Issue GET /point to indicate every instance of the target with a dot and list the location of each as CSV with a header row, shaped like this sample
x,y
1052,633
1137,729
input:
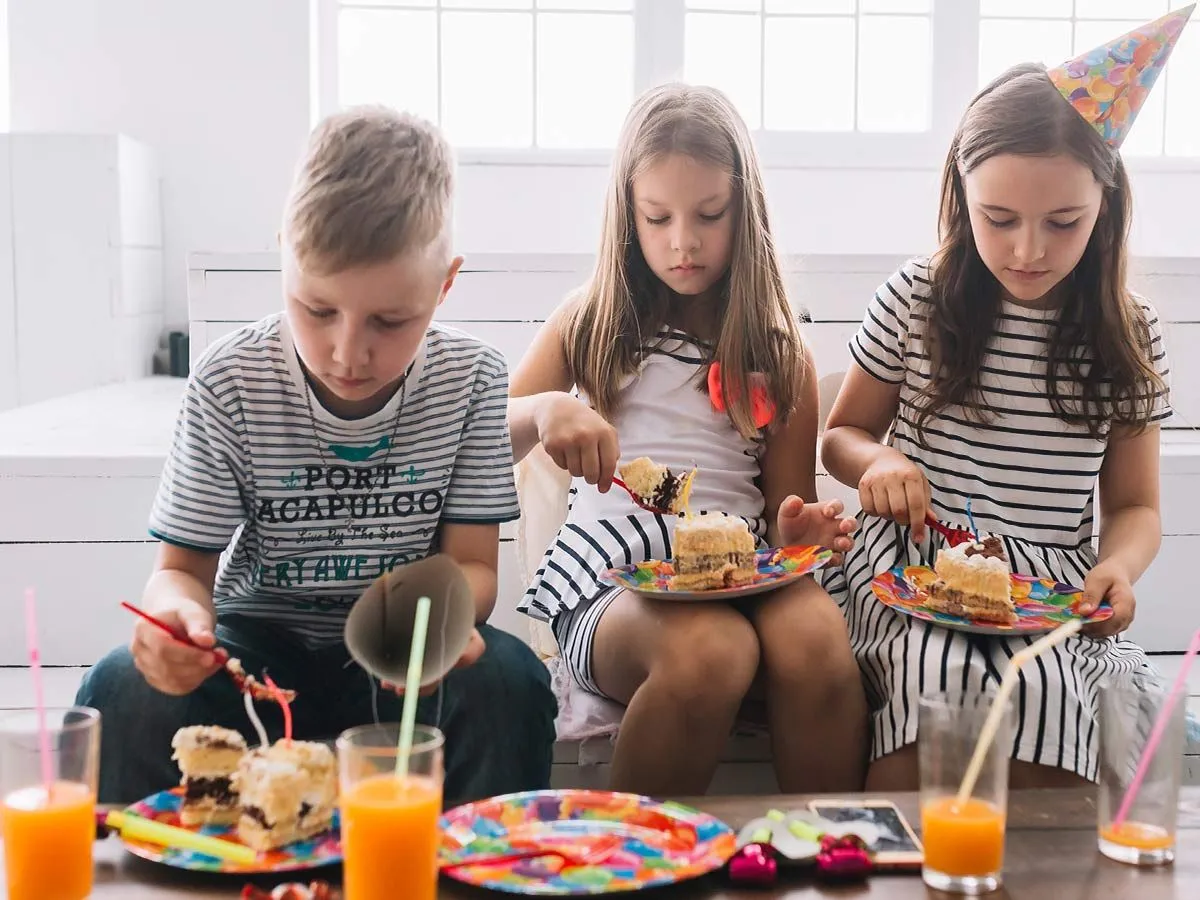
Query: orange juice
x,y
1138,836
963,841
390,838
48,842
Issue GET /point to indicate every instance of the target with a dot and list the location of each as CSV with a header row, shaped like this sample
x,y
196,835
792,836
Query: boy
x,y
331,443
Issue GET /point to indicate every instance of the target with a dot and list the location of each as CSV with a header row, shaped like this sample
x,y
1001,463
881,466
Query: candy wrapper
x,y
315,890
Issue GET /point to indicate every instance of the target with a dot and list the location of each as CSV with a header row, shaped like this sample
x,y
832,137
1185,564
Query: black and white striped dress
x,y
1031,478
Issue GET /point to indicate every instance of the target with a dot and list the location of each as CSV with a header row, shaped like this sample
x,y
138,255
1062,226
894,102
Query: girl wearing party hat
x,y
1015,370
686,303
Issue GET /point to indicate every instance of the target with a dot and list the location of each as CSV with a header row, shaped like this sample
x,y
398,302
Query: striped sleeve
x,y
482,487
199,502
1160,409
879,345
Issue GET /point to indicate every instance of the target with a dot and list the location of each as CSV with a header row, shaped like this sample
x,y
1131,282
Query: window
x,y
822,82
1052,31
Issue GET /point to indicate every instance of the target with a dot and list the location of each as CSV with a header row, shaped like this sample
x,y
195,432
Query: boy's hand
x,y
815,523
894,488
579,440
168,665
475,648
1108,581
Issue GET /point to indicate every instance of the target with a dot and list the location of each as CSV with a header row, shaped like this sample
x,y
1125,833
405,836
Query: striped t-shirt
x,y
1028,474
309,508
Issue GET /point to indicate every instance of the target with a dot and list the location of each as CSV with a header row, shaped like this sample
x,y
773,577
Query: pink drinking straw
x,y
1160,726
39,695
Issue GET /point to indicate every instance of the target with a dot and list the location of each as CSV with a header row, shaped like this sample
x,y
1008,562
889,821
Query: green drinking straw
x,y
412,687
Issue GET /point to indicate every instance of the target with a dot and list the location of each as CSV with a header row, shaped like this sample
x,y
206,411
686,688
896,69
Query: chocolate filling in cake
x,y
989,547
253,812
216,789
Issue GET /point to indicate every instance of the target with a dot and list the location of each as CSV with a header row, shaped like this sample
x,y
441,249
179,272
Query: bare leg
x,y
816,709
899,771
682,669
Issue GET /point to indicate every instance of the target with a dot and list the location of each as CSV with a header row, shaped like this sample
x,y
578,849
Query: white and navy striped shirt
x,y
316,506
1028,474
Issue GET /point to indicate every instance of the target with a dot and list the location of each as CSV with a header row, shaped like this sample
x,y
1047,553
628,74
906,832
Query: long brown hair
x,y
1099,366
624,303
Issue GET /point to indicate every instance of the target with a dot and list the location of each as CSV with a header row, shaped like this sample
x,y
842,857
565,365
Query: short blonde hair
x,y
373,184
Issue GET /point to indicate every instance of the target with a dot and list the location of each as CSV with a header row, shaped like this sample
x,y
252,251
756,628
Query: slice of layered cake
x,y
655,485
208,756
974,580
288,793
712,550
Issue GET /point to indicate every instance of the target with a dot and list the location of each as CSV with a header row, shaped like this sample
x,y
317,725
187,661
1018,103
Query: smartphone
x,y
896,846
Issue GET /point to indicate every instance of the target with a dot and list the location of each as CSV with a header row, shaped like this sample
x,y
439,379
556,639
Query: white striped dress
x,y
661,414
1031,478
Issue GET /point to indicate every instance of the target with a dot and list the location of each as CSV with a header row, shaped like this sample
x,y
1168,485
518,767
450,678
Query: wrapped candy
x,y
754,864
315,890
843,858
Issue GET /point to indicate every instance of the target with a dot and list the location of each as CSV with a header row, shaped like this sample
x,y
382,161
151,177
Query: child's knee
x,y
710,661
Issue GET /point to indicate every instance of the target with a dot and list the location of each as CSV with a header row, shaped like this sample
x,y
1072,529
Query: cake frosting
x,y
208,757
288,792
656,485
974,580
712,550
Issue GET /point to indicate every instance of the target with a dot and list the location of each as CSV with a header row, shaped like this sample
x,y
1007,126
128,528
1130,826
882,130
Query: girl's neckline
x,y
1034,313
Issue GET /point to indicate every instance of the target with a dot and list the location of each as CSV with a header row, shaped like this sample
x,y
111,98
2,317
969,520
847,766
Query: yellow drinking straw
x,y
140,829
412,686
1007,685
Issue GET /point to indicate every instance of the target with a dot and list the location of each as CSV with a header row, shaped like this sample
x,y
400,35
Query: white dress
x,y
663,412
1031,479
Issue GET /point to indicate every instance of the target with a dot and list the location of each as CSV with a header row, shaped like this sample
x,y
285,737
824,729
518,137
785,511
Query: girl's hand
x,y
166,664
1108,581
579,440
475,648
894,488
815,523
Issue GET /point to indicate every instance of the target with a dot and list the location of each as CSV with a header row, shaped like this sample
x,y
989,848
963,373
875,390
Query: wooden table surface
x,y
1050,855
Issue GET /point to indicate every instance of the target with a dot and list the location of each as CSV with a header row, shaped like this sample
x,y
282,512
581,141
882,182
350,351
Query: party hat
x,y
1109,85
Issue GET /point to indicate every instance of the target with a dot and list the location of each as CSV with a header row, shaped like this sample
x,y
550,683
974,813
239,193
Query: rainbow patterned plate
x,y
1042,604
164,807
656,843
775,569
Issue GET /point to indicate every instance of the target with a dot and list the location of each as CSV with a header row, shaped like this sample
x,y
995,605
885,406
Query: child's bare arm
x,y
476,548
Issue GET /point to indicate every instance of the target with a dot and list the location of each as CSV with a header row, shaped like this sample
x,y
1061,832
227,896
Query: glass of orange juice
x,y
1129,709
49,829
389,823
964,843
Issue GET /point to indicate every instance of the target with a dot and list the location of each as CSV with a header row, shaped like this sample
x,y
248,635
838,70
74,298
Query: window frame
x,y
658,51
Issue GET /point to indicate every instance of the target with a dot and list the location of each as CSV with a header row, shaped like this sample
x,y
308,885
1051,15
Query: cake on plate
x,y
712,550
656,485
974,580
288,793
208,756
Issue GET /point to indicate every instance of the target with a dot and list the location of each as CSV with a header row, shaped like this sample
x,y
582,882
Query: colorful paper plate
x,y
164,807
657,843
775,569
1042,604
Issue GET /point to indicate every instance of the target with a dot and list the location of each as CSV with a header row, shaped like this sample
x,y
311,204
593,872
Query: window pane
x,y
585,78
894,6
1142,10
726,52
487,79
812,7
389,57
1026,9
1182,84
489,4
891,97
585,4
726,5
1146,137
828,48
1006,42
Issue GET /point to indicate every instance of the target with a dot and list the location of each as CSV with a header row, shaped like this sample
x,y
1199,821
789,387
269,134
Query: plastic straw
x,y
39,694
412,687
1156,734
137,828
1008,683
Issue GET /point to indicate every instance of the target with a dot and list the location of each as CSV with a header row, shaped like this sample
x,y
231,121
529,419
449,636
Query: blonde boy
x,y
317,449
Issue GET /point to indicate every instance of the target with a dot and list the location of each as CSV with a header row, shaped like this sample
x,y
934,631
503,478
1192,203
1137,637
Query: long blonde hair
x,y
624,301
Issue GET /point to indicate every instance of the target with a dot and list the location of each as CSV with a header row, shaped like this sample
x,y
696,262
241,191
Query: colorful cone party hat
x,y
1109,85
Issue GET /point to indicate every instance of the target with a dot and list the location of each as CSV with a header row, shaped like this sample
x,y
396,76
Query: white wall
x,y
228,133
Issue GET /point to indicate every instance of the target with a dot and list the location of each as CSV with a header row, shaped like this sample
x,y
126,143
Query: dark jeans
x,y
497,715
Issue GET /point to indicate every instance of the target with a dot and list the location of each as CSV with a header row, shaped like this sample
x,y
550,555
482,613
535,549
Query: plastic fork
x,y
953,536
638,500
596,852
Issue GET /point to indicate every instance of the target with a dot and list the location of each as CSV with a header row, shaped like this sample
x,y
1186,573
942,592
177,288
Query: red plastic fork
x,y
953,536
638,500
180,637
